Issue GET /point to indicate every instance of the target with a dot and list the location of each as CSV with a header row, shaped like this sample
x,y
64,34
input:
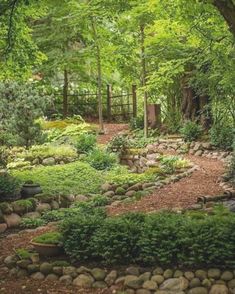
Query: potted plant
x,y
48,244
30,189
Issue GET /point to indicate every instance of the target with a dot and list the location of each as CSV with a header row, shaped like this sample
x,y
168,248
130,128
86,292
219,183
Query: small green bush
x,y
137,122
85,142
222,136
23,253
101,159
49,238
9,186
29,223
191,131
119,143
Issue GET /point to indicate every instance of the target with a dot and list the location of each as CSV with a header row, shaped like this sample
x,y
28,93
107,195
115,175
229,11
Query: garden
x,y
117,147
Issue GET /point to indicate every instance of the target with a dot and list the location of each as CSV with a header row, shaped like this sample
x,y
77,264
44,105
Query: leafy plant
x,y
191,131
85,142
101,159
54,238
29,223
118,143
23,253
137,122
9,186
222,136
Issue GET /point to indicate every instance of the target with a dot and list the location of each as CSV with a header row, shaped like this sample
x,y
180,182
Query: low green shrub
x,y
85,143
29,223
137,122
222,136
118,143
101,159
54,238
191,131
9,186
23,253
27,204
159,238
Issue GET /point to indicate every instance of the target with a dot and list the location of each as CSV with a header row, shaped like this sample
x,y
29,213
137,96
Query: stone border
x,y
131,280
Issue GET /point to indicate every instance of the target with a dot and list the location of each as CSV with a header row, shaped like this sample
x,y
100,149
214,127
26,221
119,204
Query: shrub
x,y
137,122
222,136
23,253
29,223
119,143
191,131
9,186
159,238
54,238
85,143
101,159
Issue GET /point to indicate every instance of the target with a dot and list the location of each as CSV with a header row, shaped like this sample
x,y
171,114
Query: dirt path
x,y
111,130
183,193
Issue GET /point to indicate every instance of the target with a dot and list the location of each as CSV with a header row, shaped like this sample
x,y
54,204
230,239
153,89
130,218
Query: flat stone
x,y
106,187
37,276
130,193
58,270
109,194
49,161
10,261
23,263
66,280
84,281
231,284
22,273
33,268
83,270
198,290
169,292
143,291
178,274
175,284
218,289
12,220
206,283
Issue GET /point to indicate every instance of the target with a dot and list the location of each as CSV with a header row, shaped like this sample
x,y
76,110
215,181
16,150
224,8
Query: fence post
x,y
134,100
109,95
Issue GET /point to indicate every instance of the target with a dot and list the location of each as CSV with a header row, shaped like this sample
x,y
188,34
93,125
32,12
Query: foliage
x,y
222,136
119,143
73,178
137,123
3,156
61,124
191,131
20,106
101,159
158,238
170,163
9,186
85,143
28,204
29,223
23,253
54,238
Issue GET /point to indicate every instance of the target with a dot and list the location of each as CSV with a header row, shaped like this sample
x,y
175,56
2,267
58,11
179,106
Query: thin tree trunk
x,y
65,94
144,79
99,77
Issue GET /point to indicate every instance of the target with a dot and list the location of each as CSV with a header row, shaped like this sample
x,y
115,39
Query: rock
x,y
5,208
195,282
58,270
84,281
23,263
198,153
10,261
12,220
106,187
178,274
198,290
13,272
214,273
32,215
49,161
80,198
135,187
132,270
120,280
158,271
55,205
3,228
201,274
66,280
130,193
98,274
189,275
227,276
206,283
109,194
145,276
220,282
128,291
158,279
33,268
83,270
206,145
132,282
120,191
37,276
218,289
111,277
143,291
22,273
150,285
169,292
231,284
175,284
52,277
46,268
43,207
168,274
70,270
99,285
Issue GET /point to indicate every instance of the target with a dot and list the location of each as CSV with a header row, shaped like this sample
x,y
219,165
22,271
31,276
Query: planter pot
x,y
47,249
30,190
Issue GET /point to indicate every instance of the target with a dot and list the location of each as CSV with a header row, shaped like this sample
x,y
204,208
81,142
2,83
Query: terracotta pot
x,y
30,190
47,249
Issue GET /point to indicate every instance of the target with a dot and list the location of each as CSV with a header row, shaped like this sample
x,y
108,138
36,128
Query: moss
x,y
62,263
120,191
49,238
23,253
5,208
45,198
28,204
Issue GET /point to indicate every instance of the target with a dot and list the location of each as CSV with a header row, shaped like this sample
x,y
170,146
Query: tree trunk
x,y
227,10
144,80
65,94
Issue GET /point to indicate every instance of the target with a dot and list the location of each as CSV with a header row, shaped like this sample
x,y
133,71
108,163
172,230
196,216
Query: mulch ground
x,y
180,194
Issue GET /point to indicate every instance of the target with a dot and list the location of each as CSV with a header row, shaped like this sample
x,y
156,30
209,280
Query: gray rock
x,y
43,207
33,268
111,277
66,280
227,276
201,274
52,277
84,281
150,285
23,263
198,290
37,276
169,292
32,215
22,273
198,153
80,198
49,161
218,289
3,228
70,270
98,274
106,187
175,284
132,270
10,261
58,270
99,285
168,274
109,194
12,220
130,193
83,270
214,273
46,268
133,282
195,282
158,279
120,280
189,275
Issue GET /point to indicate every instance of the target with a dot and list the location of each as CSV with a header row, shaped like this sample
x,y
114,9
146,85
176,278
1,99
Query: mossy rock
x,y
120,191
23,206
6,208
45,198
